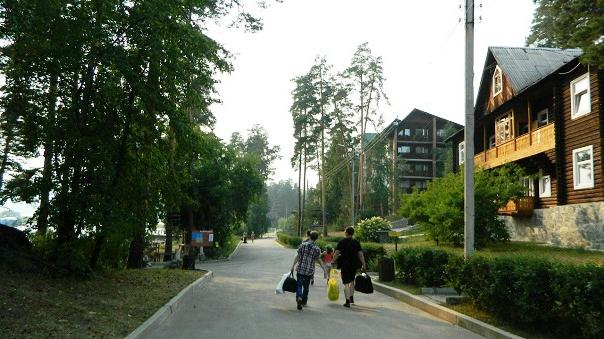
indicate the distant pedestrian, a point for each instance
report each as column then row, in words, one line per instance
column 253, row 236
column 350, row 258
column 308, row 254
column 245, row 237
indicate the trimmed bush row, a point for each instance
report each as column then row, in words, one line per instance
column 562, row 299
column 372, row 251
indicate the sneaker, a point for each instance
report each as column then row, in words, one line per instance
column 299, row 303
column 304, row 304
column 351, row 299
column 312, row 282
column 347, row 304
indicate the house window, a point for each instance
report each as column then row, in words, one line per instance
column 406, row 184
column 421, row 132
column 497, row 81
column 405, row 132
column 404, row 149
column 545, row 186
column 529, row 185
column 491, row 141
column 542, row 118
column 503, row 128
column 580, row 97
column 440, row 133
column 583, row 167
column 461, row 149
column 421, row 150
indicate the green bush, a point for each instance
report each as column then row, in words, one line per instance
column 421, row 266
column 440, row 209
column 334, row 239
column 372, row 251
column 367, row 229
column 561, row 299
column 289, row 240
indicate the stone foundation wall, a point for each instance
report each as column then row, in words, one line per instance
column 578, row 225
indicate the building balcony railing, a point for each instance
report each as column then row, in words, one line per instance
column 524, row 146
column 522, row 207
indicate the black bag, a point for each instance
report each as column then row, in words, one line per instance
column 362, row 283
column 289, row 285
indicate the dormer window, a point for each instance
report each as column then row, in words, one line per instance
column 497, row 81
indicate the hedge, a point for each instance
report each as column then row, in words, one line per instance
column 564, row 300
column 289, row 240
column 421, row 266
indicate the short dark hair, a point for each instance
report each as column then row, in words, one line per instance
column 314, row 235
column 308, row 233
column 349, row 230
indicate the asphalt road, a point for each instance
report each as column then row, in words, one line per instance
column 240, row 302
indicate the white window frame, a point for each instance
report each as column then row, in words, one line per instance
column 496, row 74
column 401, row 149
column 545, row 190
column 576, row 165
column 546, row 120
column 529, row 184
column 492, row 141
column 461, row 151
column 573, row 113
column 422, row 149
column 504, row 128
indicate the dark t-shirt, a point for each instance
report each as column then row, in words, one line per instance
column 349, row 253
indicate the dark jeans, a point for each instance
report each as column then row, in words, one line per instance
column 302, row 285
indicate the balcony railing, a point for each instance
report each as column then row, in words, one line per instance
column 524, row 146
column 522, row 207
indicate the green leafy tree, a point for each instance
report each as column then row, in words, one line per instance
column 570, row 24
column 440, row 209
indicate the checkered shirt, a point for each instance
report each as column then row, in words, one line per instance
column 308, row 252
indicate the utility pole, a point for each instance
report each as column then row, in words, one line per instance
column 469, row 132
column 352, row 191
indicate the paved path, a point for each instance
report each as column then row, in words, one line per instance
column 241, row 303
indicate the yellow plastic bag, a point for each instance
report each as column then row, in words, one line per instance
column 333, row 290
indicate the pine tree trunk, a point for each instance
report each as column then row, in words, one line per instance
column 136, row 250
column 42, row 222
column 299, row 228
column 7, row 146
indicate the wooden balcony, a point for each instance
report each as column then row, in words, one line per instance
column 521, row 207
column 524, row 146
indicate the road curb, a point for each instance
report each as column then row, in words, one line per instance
column 234, row 251
column 448, row 315
column 279, row 244
column 170, row 308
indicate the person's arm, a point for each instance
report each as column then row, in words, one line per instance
column 362, row 259
column 336, row 255
column 320, row 262
column 295, row 261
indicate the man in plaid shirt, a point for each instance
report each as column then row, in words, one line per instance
column 308, row 254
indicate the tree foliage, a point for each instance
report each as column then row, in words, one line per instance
column 368, row 229
column 570, row 24
column 440, row 209
column 111, row 94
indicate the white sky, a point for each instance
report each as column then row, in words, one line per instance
column 421, row 42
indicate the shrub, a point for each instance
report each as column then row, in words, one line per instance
column 421, row 266
column 367, row 230
column 289, row 240
column 372, row 251
column 440, row 209
column 554, row 298
column 334, row 239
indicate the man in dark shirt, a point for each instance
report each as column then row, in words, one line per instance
column 308, row 254
column 350, row 258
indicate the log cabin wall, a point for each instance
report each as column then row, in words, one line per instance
column 583, row 131
column 506, row 94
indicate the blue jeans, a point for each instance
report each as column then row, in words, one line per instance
column 302, row 285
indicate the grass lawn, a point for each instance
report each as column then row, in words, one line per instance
column 109, row 304
column 511, row 249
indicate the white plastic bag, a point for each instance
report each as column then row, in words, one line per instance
column 279, row 289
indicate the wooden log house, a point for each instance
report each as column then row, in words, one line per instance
column 541, row 109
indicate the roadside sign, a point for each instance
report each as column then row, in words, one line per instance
column 202, row 238
column 394, row 234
